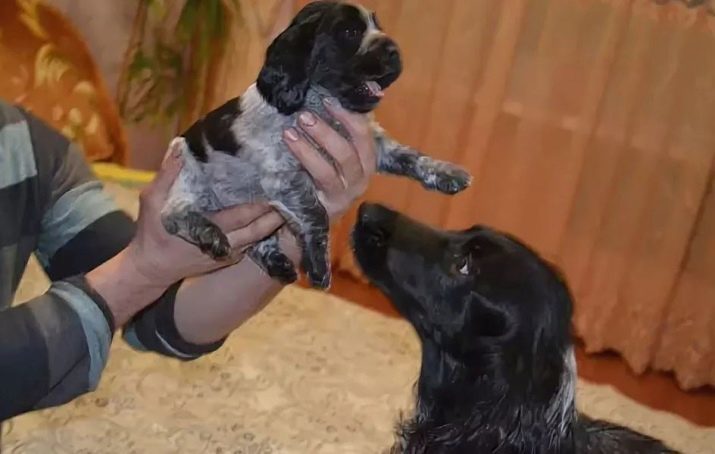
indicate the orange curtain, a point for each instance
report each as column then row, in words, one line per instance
column 589, row 126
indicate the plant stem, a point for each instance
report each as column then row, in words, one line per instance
column 135, row 40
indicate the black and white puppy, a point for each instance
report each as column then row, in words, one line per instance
column 494, row 319
column 236, row 153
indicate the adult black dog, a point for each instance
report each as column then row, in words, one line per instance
column 494, row 319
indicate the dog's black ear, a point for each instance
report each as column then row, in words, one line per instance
column 488, row 319
column 284, row 78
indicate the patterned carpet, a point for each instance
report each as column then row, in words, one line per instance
column 311, row 374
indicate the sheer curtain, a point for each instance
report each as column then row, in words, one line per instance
column 589, row 126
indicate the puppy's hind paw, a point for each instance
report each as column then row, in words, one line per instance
column 320, row 281
column 279, row 267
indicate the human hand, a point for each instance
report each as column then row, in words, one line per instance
column 167, row 259
column 341, row 184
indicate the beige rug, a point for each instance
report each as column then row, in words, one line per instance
column 311, row 374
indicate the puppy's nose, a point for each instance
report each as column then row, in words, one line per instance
column 387, row 51
column 392, row 53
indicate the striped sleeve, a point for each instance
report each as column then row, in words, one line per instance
column 154, row 329
column 54, row 346
column 82, row 228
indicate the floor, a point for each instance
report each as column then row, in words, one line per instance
column 656, row 390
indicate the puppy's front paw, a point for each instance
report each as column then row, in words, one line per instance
column 448, row 178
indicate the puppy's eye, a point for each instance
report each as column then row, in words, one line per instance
column 351, row 33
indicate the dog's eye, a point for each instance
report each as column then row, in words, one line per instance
column 463, row 265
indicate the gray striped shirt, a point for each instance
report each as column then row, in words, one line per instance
column 54, row 347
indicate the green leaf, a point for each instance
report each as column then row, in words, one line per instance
column 139, row 64
column 215, row 18
column 157, row 9
column 188, row 19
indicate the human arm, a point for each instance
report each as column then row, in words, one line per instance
column 54, row 347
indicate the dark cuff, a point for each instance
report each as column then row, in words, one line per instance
column 81, row 283
column 156, row 330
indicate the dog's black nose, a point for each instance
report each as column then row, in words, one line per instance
column 373, row 214
column 374, row 225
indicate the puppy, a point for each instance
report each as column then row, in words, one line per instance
column 498, row 372
column 236, row 153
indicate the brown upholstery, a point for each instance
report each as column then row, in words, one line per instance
column 46, row 67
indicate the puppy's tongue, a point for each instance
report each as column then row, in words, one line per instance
column 375, row 89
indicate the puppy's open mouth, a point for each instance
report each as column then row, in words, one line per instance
column 374, row 89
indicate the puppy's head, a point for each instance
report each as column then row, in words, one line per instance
column 488, row 310
column 338, row 46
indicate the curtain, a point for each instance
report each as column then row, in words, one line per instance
column 253, row 26
column 589, row 128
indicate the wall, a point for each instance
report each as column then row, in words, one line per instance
column 106, row 26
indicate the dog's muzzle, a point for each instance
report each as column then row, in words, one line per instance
column 375, row 224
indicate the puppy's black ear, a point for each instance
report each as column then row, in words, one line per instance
column 284, row 78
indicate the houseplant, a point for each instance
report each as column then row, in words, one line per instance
column 171, row 50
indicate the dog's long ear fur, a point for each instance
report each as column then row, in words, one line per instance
column 284, row 78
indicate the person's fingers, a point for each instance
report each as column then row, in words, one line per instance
column 338, row 147
column 257, row 230
column 158, row 191
column 358, row 126
column 324, row 174
column 239, row 216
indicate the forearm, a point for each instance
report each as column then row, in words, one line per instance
column 210, row 307
column 123, row 286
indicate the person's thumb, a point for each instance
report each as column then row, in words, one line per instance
column 170, row 169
